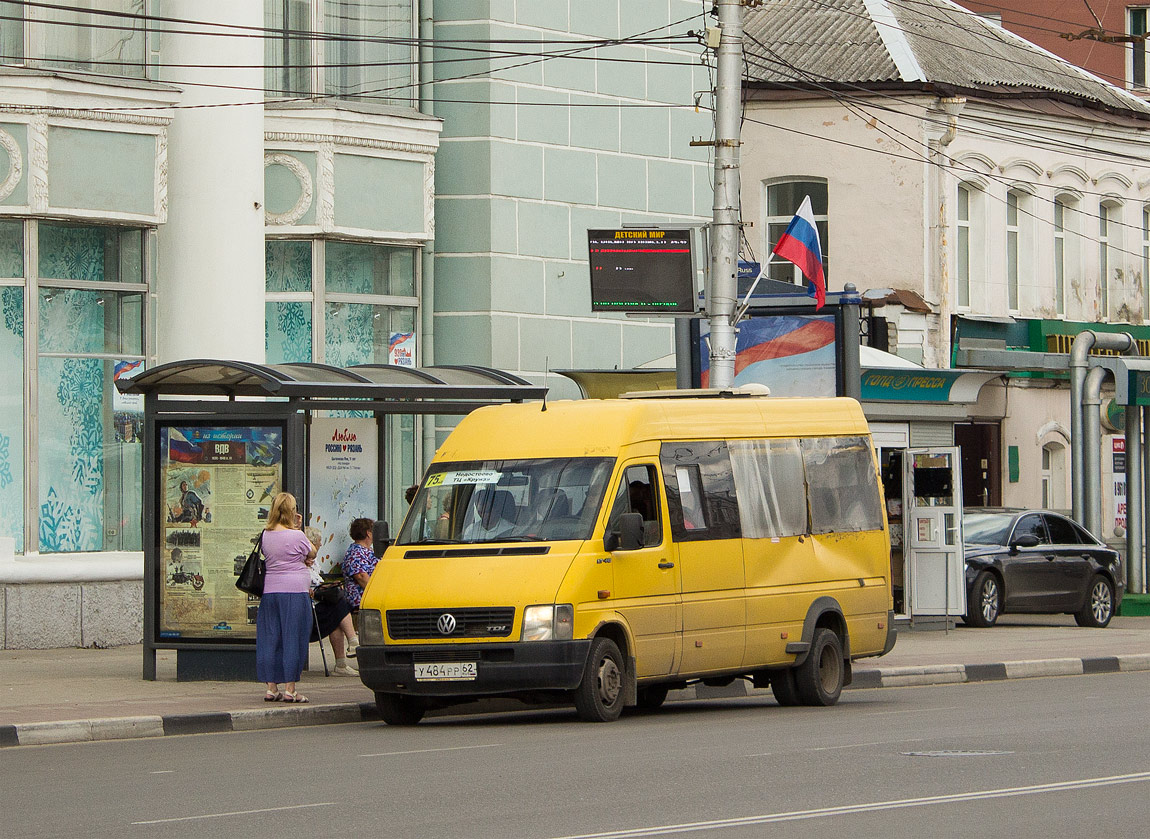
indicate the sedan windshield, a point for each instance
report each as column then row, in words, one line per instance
column 546, row 499
column 986, row 528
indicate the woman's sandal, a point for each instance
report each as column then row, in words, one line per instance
column 295, row 697
column 269, row 696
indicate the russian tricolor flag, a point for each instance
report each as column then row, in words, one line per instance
column 800, row 245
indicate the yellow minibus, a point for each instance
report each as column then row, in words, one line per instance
column 604, row 552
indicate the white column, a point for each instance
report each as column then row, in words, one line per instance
column 211, row 261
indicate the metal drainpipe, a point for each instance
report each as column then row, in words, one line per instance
column 1134, row 495
column 1092, row 443
column 1121, row 342
column 427, row 258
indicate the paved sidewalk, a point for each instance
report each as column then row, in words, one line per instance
column 75, row 695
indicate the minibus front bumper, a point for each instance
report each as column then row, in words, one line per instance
column 498, row 668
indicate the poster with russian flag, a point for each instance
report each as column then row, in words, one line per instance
column 800, row 244
column 401, row 349
column 793, row 355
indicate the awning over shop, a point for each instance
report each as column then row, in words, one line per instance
column 898, row 384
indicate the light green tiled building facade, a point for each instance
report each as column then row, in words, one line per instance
column 540, row 146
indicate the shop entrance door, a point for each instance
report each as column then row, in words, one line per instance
column 932, row 537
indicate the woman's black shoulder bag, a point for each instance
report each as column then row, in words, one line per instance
column 251, row 578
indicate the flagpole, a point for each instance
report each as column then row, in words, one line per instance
column 742, row 311
column 725, row 225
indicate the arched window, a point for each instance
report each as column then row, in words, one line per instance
column 1054, row 476
column 1013, row 247
column 1109, row 249
column 783, row 200
column 970, row 265
column 1060, row 253
column 1146, row 263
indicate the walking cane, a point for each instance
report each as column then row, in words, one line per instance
column 322, row 654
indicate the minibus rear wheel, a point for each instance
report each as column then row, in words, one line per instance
column 600, row 696
column 820, row 677
column 399, row 710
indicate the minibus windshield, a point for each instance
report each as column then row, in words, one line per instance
column 538, row 500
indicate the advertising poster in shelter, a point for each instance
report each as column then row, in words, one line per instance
column 343, row 467
column 793, row 355
column 216, row 485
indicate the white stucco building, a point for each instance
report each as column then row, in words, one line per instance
column 947, row 157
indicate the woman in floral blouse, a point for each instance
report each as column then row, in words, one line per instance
column 358, row 562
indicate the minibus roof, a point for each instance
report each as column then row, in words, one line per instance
column 601, row 427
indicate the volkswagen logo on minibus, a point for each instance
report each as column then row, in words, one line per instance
column 446, row 623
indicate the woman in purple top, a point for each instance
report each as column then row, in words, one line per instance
column 283, row 622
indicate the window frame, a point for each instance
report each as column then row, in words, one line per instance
column 319, row 298
column 32, row 285
column 36, row 23
column 1110, row 221
column 317, row 51
column 783, row 270
column 1137, row 20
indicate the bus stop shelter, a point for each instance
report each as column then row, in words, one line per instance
column 221, row 438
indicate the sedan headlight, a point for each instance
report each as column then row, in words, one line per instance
column 548, row 623
column 370, row 626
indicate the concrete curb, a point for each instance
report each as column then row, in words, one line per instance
column 254, row 719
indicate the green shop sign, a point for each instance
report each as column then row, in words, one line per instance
column 1139, row 387
column 908, row 385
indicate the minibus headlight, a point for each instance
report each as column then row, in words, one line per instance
column 370, row 626
column 548, row 623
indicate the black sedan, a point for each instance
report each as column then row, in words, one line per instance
column 1037, row 561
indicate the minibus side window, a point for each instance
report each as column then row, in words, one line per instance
column 638, row 492
column 700, row 490
column 769, row 483
column 841, row 484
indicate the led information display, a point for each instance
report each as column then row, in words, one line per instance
column 638, row 270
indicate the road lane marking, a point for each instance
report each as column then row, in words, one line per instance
column 876, row 806
column 910, row 711
column 238, row 813
column 846, row 746
column 426, row 751
column 162, row 772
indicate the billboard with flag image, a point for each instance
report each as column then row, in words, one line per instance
column 792, row 354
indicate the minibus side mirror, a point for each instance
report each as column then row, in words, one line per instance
column 628, row 536
column 380, row 538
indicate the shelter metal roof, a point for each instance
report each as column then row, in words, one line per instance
column 374, row 382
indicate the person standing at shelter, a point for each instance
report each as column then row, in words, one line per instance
column 359, row 561
column 284, row 619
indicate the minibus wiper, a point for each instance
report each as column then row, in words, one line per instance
column 521, row 539
column 437, row 542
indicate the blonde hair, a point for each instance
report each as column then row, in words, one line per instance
column 283, row 511
column 313, row 535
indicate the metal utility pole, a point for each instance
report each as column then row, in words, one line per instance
column 725, row 226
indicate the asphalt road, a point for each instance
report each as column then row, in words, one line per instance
column 1022, row 758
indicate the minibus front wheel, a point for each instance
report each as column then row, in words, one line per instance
column 396, row 709
column 601, row 695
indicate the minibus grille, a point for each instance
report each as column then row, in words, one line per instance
column 406, row 624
